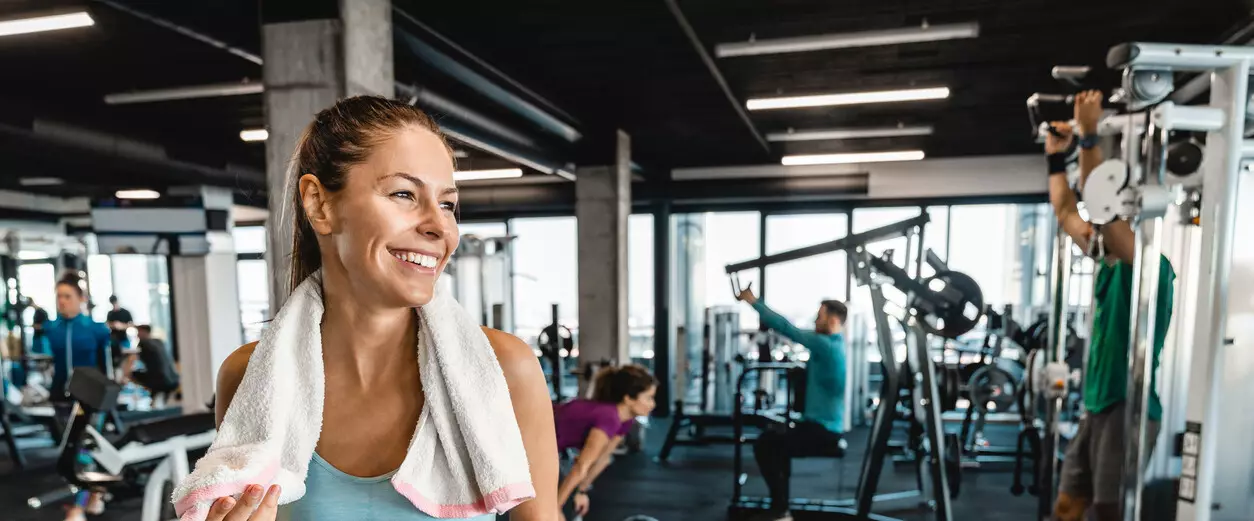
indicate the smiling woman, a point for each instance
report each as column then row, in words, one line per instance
column 375, row 223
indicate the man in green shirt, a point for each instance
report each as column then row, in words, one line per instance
column 820, row 431
column 1092, row 468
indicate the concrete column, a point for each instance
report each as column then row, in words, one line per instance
column 205, row 305
column 315, row 52
column 602, row 205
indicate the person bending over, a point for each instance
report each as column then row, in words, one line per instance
column 158, row 375
column 371, row 176
column 596, row 427
column 1092, row 469
column 821, row 428
column 75, row 341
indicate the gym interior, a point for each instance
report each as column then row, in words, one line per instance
column 855, row 266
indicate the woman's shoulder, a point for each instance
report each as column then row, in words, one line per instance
column 232, row 371
column 517, row 359
column 229, row 377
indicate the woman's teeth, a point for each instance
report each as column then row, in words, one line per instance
column 425, row 261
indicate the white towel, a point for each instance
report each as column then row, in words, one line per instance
column 466, row 457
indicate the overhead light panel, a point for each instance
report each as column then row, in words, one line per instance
column 822, row 42
column 480, row 175
column 45, row 23
column 41, row 181
column 848, row 98
column 254, row 134
column 864, row 157
column 850, row 133
column 137, row 194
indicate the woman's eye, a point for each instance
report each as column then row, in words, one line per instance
column 449, row 206
column 404, row 194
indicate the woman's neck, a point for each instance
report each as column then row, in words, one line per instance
column 363, row 339
column 624, row 412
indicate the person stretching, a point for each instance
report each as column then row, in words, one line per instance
column 821, row 429
column 596, row 426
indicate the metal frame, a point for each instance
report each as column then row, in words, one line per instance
column 864, row 265
column 1225, row 156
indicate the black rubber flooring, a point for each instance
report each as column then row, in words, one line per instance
column 695, row 485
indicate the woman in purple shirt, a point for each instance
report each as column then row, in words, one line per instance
column 597, row 426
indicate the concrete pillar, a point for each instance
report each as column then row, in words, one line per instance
column 315, row 52
column 602, row 205
column 205, row 305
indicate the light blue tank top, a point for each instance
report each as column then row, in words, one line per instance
column 333, row 495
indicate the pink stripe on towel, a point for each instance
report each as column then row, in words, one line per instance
column 213, row 492
column 500, row 500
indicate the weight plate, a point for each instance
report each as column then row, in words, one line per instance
column 992, row 388
column 952, row 306
column 545, row 339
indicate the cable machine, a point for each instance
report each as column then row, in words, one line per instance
column 945, row 305
column 1159, row 175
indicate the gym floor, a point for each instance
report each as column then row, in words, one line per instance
column 694, row 485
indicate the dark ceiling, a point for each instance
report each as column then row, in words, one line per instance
column 608, row 64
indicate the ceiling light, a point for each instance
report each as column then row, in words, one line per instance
column 137, row 194
column 924, row 33
column 254, row 134
column 41, row 181
column 45, row 23
column 32, row 255
column 848, row 98
column 849, row 133
column 479, row 175
column 866, row 157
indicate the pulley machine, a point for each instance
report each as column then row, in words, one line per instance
column 947, row 304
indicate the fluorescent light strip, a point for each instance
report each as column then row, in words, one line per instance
column 848, row 98
column 45, row 23
column 137, row 194
column 867, row 157
column 850, row 133
column 254, row 134
column 41, row 181
column 480, row 175
column 822, row 42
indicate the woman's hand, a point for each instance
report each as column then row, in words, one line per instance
column 250, row 507
column 581, row 503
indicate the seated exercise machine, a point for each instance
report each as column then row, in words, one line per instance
column 946, row 305
column 145, row 461
column 720, row 376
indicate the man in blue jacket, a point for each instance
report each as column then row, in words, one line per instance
column 820, row 431
column 74, row 338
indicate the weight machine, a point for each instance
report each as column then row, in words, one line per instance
column 481, row 277
column 1198, row 186
column 944, row 305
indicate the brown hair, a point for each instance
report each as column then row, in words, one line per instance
column 339, row 137
column 837, row 308
column 612, row 384
column 72, row 280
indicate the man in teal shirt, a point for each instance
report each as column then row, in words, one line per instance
column 1093, row 467
column 822, row 422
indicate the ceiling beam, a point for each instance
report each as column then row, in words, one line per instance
column 43, row 204
column 487, row 87
column 714, row 72
column 185, row 31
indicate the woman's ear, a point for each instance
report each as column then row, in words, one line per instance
column 316, row 202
